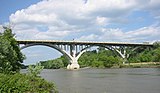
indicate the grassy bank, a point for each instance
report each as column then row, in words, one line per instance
column 141, row 65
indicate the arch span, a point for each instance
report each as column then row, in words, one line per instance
column 49, row 45
column 73, row 55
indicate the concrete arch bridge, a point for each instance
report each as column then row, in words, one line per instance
column 74, row 49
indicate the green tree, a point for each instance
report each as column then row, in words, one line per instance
column 64, row 60
column 109, row 61
column 10, row 56
column 156, row 45
column 87, row 58
column 35, row 70
column 156, row 55
column 53, row 64
column 145, row 57
column 98, row 64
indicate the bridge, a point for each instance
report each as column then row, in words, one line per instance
column 74, row 49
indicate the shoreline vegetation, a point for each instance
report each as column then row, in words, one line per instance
column 11, row 59
column 23, row 83
column 132, row 65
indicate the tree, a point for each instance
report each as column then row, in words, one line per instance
column 156, row 55
column 35, row 70
column 11, row 57
column 110, row 61
column 98, row 64
column 53, row 64
column 64, row 60
column 156, row 44
column 145, row 57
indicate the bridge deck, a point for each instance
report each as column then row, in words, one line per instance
column 61, row 42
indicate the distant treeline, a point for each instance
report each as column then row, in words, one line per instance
column 102, row 58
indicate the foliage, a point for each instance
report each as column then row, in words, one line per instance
column 111, row 61
column 147, row 55
column 53, row 64
column 156, row 55
column 97, row 64
column 156, row 44
column 102, row 58
column 10, row 55
column 22, row 83
column 11, row 81
column 64, row 61
column 87, row 58
column 35, row 70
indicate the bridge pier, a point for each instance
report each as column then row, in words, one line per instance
column 73, row 60
column 73, row 66
column 125, row 51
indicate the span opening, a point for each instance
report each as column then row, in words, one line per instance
column 39, row 53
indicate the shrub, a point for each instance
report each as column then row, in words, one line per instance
column 35, row 70
column 23, row 83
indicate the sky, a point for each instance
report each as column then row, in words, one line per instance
column 133, row 21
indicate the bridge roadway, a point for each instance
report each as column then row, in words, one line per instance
column 95, row 43
column 74, row 49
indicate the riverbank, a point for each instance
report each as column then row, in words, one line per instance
column 141, row 65
column 133, row 65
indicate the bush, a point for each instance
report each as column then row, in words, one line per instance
column 35, row 70
column 23, row 83
column 98, row 64
column 111, row 61
column 53, row 64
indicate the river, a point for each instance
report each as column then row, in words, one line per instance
column 130, row 80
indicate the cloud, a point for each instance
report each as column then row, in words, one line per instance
column 84, row 20
column 108, row 8
column 140, row 35
column 1, row 28
column 152, row 6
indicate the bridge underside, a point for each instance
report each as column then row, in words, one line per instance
column 73, row 51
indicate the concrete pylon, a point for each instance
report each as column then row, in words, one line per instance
column 73, row 62
column 122, row 52
column 73, row 66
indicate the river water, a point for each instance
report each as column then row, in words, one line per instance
column 132, row 80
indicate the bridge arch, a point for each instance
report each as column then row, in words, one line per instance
column 122, row 53
column 51, row 46
column 73, row 59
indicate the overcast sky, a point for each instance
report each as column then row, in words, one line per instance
column 93, row 20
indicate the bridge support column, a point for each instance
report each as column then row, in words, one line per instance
column 122, row 52
column 73, row 61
